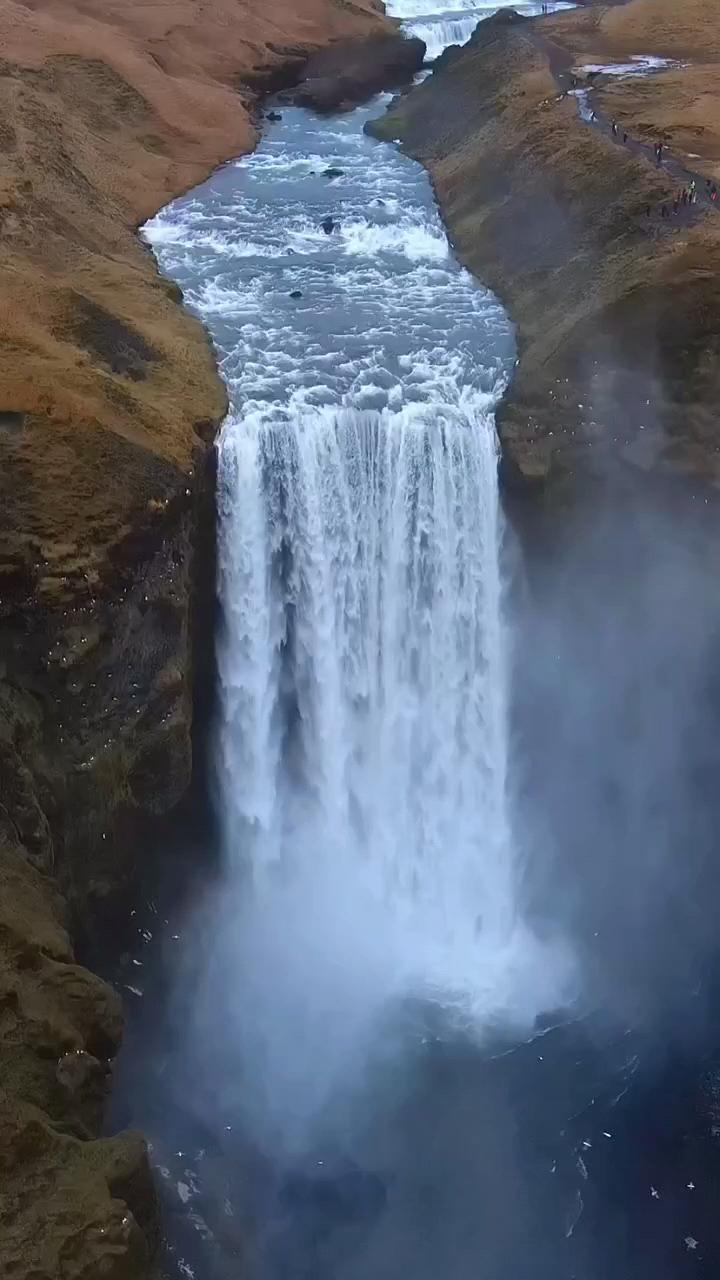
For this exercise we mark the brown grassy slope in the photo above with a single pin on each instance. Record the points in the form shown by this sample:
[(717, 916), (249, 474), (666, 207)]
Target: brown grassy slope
[(682, 106), (675, 28), (617, 328), (106, 110)]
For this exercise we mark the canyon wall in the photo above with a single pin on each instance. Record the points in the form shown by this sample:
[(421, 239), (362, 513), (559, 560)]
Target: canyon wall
[(109, 403), (615, 307)]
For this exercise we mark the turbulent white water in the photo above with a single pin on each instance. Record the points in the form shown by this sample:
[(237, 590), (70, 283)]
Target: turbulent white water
[(364, 660), (440, 25)]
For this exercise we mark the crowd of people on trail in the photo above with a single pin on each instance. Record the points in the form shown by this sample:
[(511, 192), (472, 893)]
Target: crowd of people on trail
[(685, 197)]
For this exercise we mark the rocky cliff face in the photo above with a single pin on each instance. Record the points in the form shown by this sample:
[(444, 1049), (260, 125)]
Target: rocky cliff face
[(109, 401), (615, 307)]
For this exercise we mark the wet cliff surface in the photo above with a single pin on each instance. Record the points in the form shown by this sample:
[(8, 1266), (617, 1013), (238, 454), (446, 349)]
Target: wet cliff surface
[(109, 402), (615, 306)]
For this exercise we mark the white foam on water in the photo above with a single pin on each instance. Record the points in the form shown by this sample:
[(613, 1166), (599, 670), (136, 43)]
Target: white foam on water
[(639, 65), (414, 242)]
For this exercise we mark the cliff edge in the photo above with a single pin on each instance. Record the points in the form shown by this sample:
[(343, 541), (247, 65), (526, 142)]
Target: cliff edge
[(614, 291)]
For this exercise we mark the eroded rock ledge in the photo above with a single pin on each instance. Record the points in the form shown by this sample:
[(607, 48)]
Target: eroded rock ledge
[(109, 403), (617, 327)]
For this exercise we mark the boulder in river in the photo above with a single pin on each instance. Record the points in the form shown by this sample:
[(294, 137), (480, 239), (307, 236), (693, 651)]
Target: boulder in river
[(296, 293), (351, 71), (332, 172), (274, 116), (328, 225)]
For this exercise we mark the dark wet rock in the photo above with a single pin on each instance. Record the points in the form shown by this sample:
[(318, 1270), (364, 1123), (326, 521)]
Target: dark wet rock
[(296, 293), (274, 116), (84, 1082), (351, 71), (113, 342), (332, 172), (73, 1205), (328, 225), (11, 421)]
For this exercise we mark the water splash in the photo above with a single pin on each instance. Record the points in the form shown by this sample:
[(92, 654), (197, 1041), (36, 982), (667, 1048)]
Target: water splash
[(365, 732)]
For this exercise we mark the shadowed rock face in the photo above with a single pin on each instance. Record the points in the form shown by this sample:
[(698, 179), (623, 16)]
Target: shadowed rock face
[(616, 323), (71, 1204), (348, 72)]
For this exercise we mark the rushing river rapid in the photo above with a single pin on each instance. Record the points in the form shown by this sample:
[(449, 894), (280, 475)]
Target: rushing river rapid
[(374, 1058)]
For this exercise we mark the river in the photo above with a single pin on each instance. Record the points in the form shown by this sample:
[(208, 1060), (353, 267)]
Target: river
[(374, 1059)]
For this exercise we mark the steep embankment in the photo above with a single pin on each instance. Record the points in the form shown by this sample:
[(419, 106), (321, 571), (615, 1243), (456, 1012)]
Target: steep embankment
[(616, 308), (108, 401)]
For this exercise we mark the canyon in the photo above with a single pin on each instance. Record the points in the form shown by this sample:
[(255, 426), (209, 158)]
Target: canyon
[(111, 402)]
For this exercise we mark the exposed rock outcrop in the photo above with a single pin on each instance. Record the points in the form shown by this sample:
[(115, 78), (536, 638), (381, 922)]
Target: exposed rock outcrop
[(337, 78), (616, 317), (71, 1204)]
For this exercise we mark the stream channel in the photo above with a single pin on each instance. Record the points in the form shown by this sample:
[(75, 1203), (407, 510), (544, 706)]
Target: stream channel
[(348, 1055)]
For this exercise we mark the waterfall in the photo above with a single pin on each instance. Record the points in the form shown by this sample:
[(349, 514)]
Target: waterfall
[(440, 31), (371, 865), (453, 22), (364, 741)]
